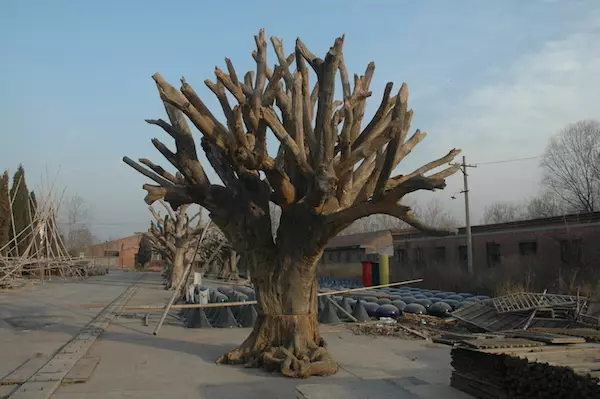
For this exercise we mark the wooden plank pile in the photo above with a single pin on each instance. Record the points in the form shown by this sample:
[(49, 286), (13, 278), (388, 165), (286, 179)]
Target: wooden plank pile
[(526, 372)]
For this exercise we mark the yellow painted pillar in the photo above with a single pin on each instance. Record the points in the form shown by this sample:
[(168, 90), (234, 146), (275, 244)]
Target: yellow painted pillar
[(384, 269)]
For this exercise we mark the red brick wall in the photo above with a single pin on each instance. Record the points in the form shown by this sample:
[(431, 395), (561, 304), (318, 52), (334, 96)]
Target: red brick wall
[(127, 248)]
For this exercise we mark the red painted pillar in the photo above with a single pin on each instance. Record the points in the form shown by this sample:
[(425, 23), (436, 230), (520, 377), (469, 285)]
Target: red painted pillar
[(366, 273)]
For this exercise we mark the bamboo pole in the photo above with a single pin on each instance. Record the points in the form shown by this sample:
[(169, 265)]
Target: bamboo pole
[(372, 287), (12, 217), (226, 304)]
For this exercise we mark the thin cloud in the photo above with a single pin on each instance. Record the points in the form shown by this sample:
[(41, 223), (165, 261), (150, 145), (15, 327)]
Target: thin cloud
[(514, 117)]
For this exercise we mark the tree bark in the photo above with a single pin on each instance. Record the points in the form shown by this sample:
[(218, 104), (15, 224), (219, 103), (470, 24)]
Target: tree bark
[(286, 336), (178, 267)]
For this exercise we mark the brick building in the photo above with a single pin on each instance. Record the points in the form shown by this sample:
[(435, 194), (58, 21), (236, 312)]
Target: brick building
[(570, 241), (117, 253), (343, 254)]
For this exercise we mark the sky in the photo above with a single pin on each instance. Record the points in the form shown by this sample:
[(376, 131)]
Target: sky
[(496, 79)]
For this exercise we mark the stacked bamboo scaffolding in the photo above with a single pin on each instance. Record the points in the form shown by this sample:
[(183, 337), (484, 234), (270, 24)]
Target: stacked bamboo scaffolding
[(45, 254)]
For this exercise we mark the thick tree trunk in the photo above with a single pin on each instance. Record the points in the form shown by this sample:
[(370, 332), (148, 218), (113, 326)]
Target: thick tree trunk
[(286, 336), (178, 268)]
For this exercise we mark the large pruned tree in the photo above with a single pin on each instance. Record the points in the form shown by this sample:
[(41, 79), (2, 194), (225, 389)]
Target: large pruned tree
[(174, 236), (314, 179)]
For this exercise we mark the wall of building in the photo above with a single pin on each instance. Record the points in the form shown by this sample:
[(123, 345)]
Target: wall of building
[(122, 250), (341, 263), (543, 249), (344, 262)]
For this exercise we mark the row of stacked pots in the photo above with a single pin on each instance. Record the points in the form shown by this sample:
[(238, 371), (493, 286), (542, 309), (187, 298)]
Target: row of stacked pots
[(376, 303)]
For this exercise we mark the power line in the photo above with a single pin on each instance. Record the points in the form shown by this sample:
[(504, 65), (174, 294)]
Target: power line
[(103, 223), (510, 160)]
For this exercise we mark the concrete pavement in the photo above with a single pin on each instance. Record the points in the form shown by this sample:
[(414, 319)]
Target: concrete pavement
[(135, 364), (179, 361), (38, 321)]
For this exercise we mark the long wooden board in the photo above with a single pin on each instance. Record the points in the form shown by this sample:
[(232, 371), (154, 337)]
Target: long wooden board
[(546, 337), (492, 343)]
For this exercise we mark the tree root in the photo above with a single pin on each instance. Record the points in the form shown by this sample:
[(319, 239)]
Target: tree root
[(294, 362)]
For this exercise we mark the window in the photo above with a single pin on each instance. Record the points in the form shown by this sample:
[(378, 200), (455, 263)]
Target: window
[(419, 259), (570, 252), (338, 256), (528, 248), (439, 254), (111, 253), (330, 255), (348, 256), (462, 254), (400, 255), (493, 254)]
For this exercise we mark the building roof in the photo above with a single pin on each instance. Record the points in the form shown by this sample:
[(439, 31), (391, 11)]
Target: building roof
[(372, 241), (578, 218)]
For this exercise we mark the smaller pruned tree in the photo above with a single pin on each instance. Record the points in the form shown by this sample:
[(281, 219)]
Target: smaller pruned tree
[(144, 254), (174, 236), (217, 256)]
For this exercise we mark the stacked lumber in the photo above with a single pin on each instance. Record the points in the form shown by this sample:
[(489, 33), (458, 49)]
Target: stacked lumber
[(499, 376), (526, 379), (478, 373)]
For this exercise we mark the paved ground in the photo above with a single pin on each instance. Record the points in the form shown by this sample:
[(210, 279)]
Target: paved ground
[(179, 361), (38, 320)]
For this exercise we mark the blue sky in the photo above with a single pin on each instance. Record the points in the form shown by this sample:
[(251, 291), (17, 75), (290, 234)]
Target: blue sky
[(493, 78)]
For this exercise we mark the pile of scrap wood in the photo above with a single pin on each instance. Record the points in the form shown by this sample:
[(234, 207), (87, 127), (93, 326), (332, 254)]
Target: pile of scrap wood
[(523, 310), (526, 345)]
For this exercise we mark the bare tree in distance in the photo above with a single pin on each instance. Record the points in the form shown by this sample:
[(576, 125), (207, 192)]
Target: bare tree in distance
[(571, 165), (78, 214), (330, 170), (503, 212), (435, 214), (374, 223), (546, 205), (431, 213)]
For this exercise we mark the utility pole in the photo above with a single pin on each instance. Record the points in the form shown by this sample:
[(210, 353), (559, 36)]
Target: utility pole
[(467, 218), (465, 191)]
